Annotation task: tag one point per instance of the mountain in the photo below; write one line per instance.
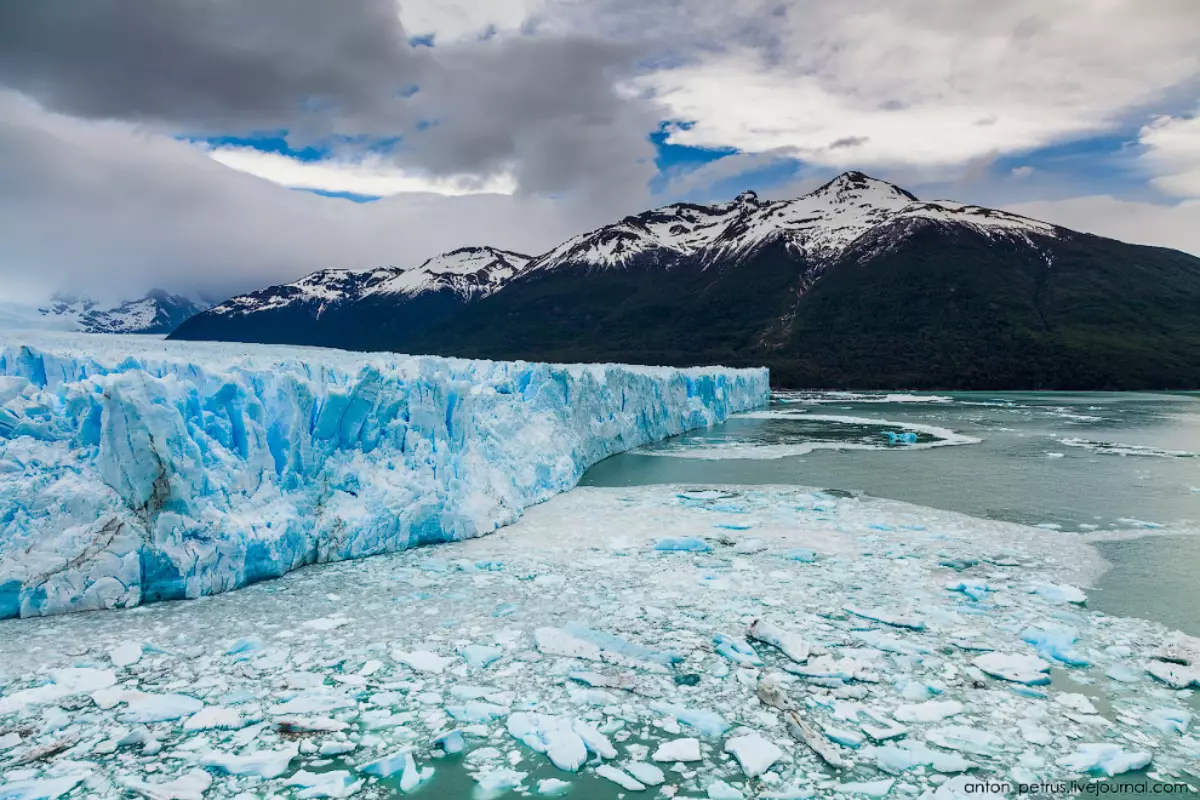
(857, 284)
(155, 312)
(361, 310)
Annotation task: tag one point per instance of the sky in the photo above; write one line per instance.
(216, 146)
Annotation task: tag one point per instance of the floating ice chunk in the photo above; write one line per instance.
(888, 643)
(736, 650)
(1075, 702)
(325, 623)
(596, 741)
(145, 707)
(930, 711)
(620, 777)
(496, 782)
(754, 753)
(709, 723)
(1034, 733)
(801, 730)
(263, 763)
(1123, 673)
(685, 544)
(1103, 759)
(976, 590)
(901, 437)
(387, 765)
(336, 783)
(423, 661)
(882, 733)
(1059, 593)
(40, 789)
(678, 750)
(845, 736)
(552, 787)
(1180, 649)
(334, 747)
(896, 758)
(909, 621)
(308, 724)
(476, 712)
(1055, 642)
(479, 656)
(125, 654)
(792, 645)
(720, 790)
(9, 741)
(551, 735)
(63, 683)
(843, 669)
(1177, 676)
(866, 788)
(646, 773)
(248, 645)
(317, 701)
(580, 642)
(966, 740)
(1017, 668)
(190, 786)
(1170, 720)
(804, 556)
(215, 717)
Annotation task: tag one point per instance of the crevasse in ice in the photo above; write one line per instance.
(140, 470)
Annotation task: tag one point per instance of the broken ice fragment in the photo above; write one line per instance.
(334, 784)
(720, 790)
(678, 750)
(479, 656)
(577, 641)
(145, 707)
(1170, 720)
(792, 645)
(263, 763)
(976, 590)
(552, 787)
(211, 717)
(867, 788)
(190, 786)
(736, 650)
(754, 753)
(887, 618)
(646, 773)
(620, 777)
(423, 661)
(897, 758)
(967, 740)
(1055, 641)
(685, 544)
(125, 654)
(1059, 593)
(930, 711)
(1017, 668)
(551, 735)
(708, 723)
(1104, 759)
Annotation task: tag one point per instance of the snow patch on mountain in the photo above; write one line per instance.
(820, 225)
(155, 312)
(134, 470)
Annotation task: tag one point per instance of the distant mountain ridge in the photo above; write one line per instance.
(856, 284)
(155, 312)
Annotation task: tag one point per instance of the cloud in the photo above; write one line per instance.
(108, 207)
(1173, 154)
(1176, 225)
(923, 84)
(372, 176)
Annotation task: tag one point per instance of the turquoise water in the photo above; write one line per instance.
(1088, 462)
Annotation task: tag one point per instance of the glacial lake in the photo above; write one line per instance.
(1121, 469)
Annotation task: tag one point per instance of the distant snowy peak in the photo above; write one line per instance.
(155, 312)
(469, 272)
(819, 225)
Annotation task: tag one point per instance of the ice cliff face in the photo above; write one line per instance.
(140, 471)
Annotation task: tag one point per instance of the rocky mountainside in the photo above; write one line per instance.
(857, 284)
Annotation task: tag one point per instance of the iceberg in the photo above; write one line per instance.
(140, 470)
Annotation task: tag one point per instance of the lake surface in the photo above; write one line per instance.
(1103, 464)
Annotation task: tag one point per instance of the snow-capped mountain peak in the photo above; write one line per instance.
(155, 312)
(469, 272)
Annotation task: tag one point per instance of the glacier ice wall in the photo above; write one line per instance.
(135, 470)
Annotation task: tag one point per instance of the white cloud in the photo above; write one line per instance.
(452, 20)
(876, 83)
(373, 175)
(1173, 154)
(1022, 172)
(1176, 226)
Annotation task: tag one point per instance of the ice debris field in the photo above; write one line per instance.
(134, 470)
(715, 642)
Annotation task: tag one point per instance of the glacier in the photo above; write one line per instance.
(135, 470)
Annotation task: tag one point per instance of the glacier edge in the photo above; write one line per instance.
(134, 470)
